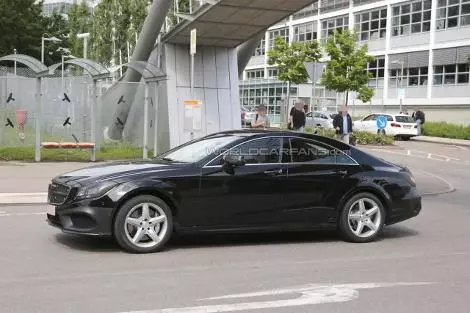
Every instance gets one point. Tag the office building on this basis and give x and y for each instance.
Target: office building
(422, 51)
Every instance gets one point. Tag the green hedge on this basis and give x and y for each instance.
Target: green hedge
(446, 130)
(363, 138)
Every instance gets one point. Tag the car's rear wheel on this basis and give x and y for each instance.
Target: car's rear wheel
(143, 224)
(362, 218)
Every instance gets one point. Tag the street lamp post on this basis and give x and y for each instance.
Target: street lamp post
(401, 80)
(63, 68)
(43, 40)
(85, 37)
(14, 51)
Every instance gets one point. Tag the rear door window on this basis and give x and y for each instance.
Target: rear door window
(404, 119)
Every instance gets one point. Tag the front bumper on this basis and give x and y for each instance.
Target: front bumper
(83, 219)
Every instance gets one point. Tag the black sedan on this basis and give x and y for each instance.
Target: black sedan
(235, 181)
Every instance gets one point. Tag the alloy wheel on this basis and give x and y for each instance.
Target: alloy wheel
(146, 225)
(364, 218)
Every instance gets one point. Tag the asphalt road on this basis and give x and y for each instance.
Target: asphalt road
(421, 265)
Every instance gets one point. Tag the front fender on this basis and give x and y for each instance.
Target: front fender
(131, 189)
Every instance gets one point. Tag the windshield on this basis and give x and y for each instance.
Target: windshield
(404, 119)
(198, 150)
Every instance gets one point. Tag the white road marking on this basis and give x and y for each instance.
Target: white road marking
(301, 296)
(454, 160)
(461, 148)
(4, 214)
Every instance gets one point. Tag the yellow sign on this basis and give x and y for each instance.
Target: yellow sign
(192, 115)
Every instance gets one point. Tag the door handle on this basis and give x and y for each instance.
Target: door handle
(273, 173)
(341, 172)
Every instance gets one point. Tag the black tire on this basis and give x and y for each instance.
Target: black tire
(344, 227)
(119, 224)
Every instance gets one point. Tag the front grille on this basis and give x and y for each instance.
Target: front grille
(58, 193)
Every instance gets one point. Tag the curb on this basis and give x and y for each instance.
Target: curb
(444, 141)
(23, 198)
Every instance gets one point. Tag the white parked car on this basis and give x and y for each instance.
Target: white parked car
(398, 125)
(320, 119)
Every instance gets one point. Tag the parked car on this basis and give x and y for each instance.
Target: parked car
(398, 125)
(320, 119)
(248, 116)
(246, 180)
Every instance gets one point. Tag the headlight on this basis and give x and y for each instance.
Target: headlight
(96, 190)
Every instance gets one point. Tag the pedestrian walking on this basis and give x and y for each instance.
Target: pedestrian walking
(420, 119)
(343, 125)
(297, 118)
(261, 118)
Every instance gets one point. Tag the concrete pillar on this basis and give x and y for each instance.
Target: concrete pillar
(216, 85)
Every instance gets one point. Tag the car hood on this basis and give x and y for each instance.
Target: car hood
(116, 171)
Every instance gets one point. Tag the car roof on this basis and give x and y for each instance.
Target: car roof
(253, 132)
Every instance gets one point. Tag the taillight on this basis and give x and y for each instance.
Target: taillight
(395, 125)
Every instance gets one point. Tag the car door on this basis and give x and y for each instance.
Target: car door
(252, 196)
(369, 123)
(317, 176)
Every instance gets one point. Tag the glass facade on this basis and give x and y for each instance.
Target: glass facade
(412, 17)
(453, 13)
(371, 25)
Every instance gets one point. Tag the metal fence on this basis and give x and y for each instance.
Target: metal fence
(66, 111)
(65, 107)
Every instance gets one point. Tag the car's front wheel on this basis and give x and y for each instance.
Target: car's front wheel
(143, 224)
(362, 218)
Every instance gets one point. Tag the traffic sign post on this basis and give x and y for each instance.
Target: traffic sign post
(401, 97)
(193, 52)
(381, 124)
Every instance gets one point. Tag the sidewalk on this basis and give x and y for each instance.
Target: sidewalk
(26, 183)
(446, 141)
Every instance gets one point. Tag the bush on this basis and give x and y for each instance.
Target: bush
(446, 130)
(363, 138)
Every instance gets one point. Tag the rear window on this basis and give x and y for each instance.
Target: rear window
(404, 119)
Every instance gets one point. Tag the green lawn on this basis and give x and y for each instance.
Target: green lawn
(108, 152)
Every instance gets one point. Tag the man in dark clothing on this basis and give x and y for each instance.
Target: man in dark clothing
(343, 125)
(419, 117)
(297, 118)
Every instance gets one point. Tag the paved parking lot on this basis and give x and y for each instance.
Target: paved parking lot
(420, 265)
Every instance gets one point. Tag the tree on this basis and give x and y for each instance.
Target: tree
(79, 21)
(290, 59)
(346, 71)
(21, 27)
(56, 26)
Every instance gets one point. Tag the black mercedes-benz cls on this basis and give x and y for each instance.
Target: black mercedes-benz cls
(251, 180)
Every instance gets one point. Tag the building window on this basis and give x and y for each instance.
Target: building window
(305, 12)
(305, 32)
(273, 34)
(273, 73)
(451, 74)
(329, 26)
(333, 5)
(261, 49)
(411, 18)
(371, 25)
(255, 74)
(453, 13)
(376, 70)
(411, 77)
